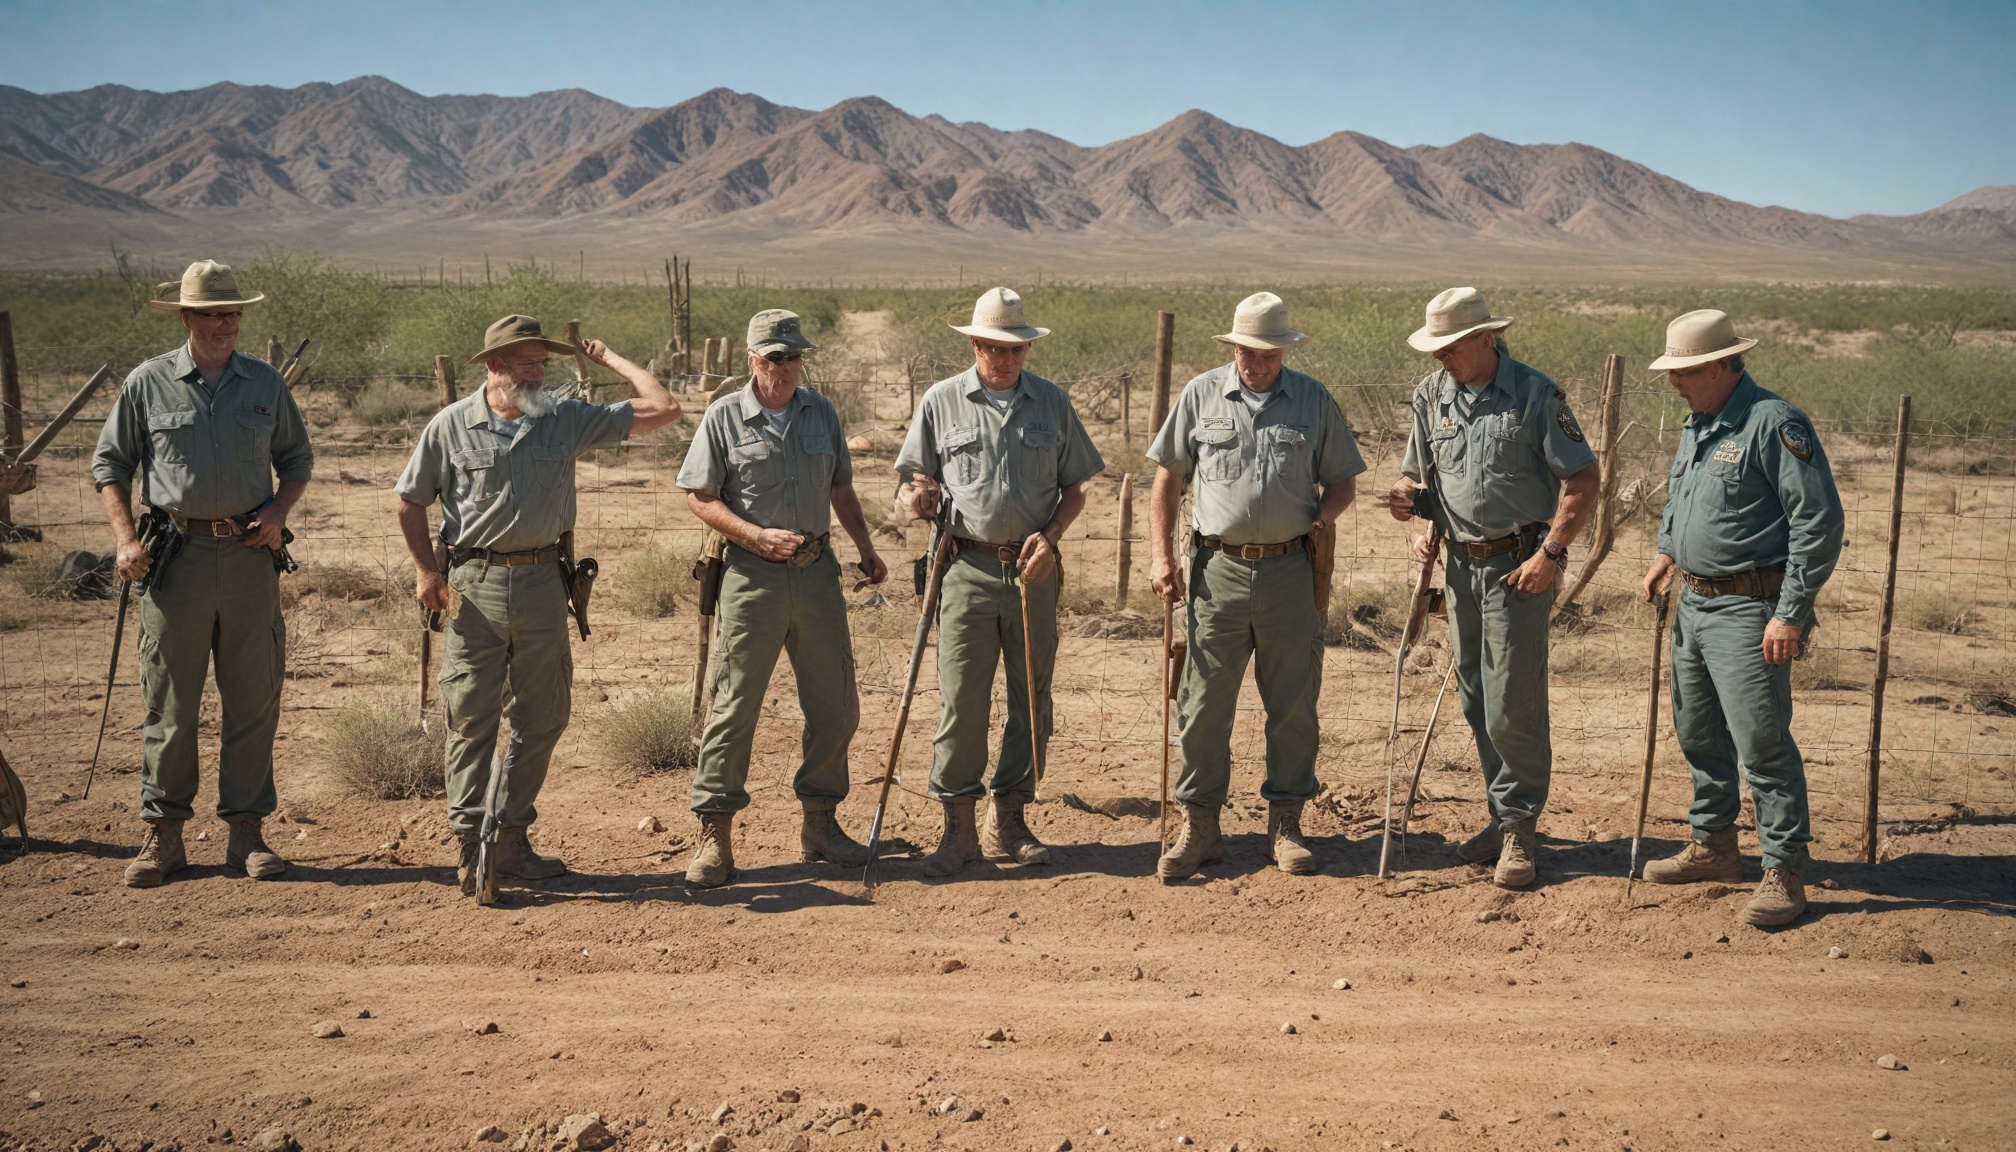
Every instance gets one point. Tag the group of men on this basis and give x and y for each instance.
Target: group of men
(1495, 463)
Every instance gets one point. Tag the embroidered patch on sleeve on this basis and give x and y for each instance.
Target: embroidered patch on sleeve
(1569, 427)
(1798, 439)
(1728, 452)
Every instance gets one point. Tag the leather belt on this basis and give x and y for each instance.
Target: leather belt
(209, 527)
(547, 555)
(1521, 543)
(1001, 552)
(808, 552)
(1760, 584)
(1251, 551)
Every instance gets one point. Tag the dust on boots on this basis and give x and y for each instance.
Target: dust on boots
(959, 843)
(1006, 835)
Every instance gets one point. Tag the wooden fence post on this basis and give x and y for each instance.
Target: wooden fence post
(1165, 351)
(1604, 536)
(1869, 803)
(1124, 568)
(10, 402)
(444, 376)
(274, 355)
(1127, 407)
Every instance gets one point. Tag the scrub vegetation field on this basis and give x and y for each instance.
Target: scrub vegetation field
(1080, 1005)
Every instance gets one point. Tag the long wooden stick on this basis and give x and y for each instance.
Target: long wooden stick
(1663, 599)
(1869, 800)
(1417, 620)
(942, 545)
(1123, 560)
(1421, 760)
(1604, 535)
(1029, 671)
(1168, 695)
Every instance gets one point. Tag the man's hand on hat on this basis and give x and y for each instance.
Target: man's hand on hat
(776, 544)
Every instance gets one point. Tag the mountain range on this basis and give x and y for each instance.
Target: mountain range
(369, 150)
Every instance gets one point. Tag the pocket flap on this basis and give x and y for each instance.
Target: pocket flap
(1288, 435)
(1215, 433)
(549, 453)
(175, 418)
(749, 452)
(472, 459)
(817, 443)
(956, 438)
(252, 419)
(1039, 437)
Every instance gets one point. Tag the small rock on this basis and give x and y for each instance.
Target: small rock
(949, 1105)
(202, 835)
(1489, 915)
(1063, 1145)
(491, 1134)
(301, 835)
(35, 1099)
(799, 1142)
(1341, 984)
(788, 1096)
(1288, 1028)
(1830, 884)
(274, 1140)
(1182, 1141)
(582, 1133)
(1880, 1134)
(363, 1014)
(1722, 939)
(722, 1113)
(856, 1108)
(1445, 1114)
(481, 1027)
(1135, 974)
(972, 1114)
(326, 1030)
(1717, 891)
(1105, 1035)
(843, 1125)
(650, 824)
(720, 1143)
(125, 945)
(996, 1035)
(1912, 954)
(949, 966)
(891, 1038)
(859, 444)
(1102, 1130)
(1890, 1063)
(1835, 953)
(17, 982)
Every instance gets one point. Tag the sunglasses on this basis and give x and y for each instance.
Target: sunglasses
(783, 357)
(215, 315)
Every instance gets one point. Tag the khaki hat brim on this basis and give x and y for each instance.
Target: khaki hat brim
(1001, 335)
(1668, 363)
(178, 305)
(560, 346)
(1287, 339)
(1421, 340)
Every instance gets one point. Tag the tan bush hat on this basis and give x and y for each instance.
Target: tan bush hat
(516, 330)
(1698, 337)
(997, 316)
(1453, 315)
(775, 330)
(204, 284)
(1261, 321)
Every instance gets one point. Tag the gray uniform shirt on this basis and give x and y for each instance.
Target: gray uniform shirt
(1501, 451)
(506, 492)
(1006, 470)
(1258, 475)
(203, 453)
(771, 479)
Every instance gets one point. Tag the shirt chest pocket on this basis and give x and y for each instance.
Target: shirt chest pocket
(552, 465)
(1507, 450)
(1039, 456)
(758, 465)
(1450, 449)
(173, 434)
(819, 457)
(959, 456)
(1217, 450)
(1290, 449)
(255, 437)
(480, 474)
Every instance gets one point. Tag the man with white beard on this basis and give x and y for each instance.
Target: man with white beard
(501, 461)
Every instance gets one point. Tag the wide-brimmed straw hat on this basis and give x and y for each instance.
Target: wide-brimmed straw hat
(1453, 315)
(776, 330)
(204, 284)
(516, 330)
(1698, 337)
(997, 316)
(1261, 321)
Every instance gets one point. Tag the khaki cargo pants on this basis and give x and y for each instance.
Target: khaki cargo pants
(1498, 639)
(508, 651)
(979, 630)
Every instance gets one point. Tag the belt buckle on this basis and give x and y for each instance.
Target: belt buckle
(1252, 551)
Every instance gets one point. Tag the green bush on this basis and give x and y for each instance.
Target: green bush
(378, 753)
(651, 582)
(392, 402)
(649, 734)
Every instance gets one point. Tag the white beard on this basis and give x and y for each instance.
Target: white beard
(533, 399)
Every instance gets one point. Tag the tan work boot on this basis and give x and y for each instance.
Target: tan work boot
(1518, 856)
(517, 860)
(469, 843)
(1714, 858)
(160, 853)
(959, 844)
(714, 857)
(1484, 846)
(1006, 835)
(1284, 839)
(249, 854)
(822, 838)
(1780, 899)
(1197, 844)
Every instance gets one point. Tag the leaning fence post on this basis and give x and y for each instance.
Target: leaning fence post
(10, 409)
(1601, 540)
(1869, 803)
(1165, 351)
(1124, 562)
(444, 377)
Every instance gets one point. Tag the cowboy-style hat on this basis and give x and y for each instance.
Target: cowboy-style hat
(516, 330)
(204, 284)
(997, 316)
(1261, 321)
(1698, 337)
(775, 330)
(1453, 315)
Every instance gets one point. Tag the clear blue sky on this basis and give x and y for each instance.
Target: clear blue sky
(1838, 107)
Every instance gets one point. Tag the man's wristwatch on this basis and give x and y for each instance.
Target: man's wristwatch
(1558, 553)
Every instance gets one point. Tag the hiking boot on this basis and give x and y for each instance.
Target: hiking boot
(1780, 899)
(517, 860)
(1484, 846)
(959, 844)
(1284, 839)
(465, 865)
(1197, 844)
(714, 857)
(822, 838)
(249, 854)
(1714, 858)
(160, 853)
(1517, 863)
(1006, 835)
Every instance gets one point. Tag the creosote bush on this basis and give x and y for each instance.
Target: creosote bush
(378, 753)
(649, 734)
(652, 581)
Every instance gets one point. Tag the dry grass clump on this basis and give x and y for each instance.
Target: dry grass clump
(1938, 610)
(1825, 668)
(378, 753)
(651, 582)
(392, 402)
(650, 734)
(1367, 616)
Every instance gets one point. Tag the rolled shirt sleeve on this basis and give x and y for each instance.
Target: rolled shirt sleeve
(426, 475)
(1171, 447)
(1339, 459)
(122, 443)
(293, 455)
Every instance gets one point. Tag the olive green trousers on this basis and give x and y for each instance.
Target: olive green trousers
(980, 630)
(508, 653)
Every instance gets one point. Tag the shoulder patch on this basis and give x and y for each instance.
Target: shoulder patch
(1797, 438)
(1569, 427)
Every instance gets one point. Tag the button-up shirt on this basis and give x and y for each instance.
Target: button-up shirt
(1500, 451)
(771, 479)
(1006, 470)
(1258, 474)
(1751, 488)
(505, 488)
(202, 452)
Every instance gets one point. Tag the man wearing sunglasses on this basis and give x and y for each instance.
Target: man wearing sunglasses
(501, 461)
(768, 469)
(1009, 449)
(208, 432)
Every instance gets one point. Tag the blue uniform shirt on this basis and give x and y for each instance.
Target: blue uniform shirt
(1501, 451)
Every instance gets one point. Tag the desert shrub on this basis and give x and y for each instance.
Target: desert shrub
(379, 753)
(392, 402)
(1938, 610)
(651, 582)
(649, 734)
(1367, 615)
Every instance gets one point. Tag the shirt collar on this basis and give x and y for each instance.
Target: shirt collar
(1289, 384)
(185, 366)
(477, 413)
(752, 409)
(1501, 380)
(1734, 410)
(974, 385)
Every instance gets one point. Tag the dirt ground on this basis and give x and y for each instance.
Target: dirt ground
(1014, 1008)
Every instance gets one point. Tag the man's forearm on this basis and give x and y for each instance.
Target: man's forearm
(847, 510)
(289, 494)
(651, 404)
(1336, 498)
(1163, 499)
(119, 510)
(713, 512)
(419, 541)
(1578, 500)
(1070, 503)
